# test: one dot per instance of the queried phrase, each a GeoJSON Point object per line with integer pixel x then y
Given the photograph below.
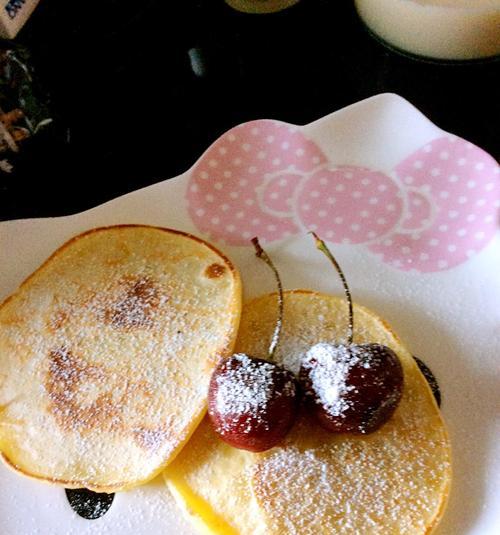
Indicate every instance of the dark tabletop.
{"type": "Point", "coordinates": [138, 90]}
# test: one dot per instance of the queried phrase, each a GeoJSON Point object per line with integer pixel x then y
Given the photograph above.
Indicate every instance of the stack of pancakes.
{"type": "Point", "coordinates": [106, 352]}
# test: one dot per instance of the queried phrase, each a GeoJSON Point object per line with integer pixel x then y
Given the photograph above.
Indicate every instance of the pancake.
{"type": "Point", "coordinates": [394, 481]}
{"type": "Point", "coordinates": [106, 352]}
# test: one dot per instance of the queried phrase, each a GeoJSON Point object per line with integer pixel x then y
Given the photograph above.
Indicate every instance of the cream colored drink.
{"type": "Point", "coordinates": [442, 29]}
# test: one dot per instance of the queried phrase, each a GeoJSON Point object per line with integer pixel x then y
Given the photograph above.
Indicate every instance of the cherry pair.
{"type": "Point", "coordinates": [348, 388]}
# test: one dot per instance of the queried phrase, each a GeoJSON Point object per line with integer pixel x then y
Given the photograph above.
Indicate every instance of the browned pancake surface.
{"type": "Point", "coordinates": [106, 353]}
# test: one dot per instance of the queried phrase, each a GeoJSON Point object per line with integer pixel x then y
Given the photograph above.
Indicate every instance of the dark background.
{"type": "Point", "coordinates": [130, 110]}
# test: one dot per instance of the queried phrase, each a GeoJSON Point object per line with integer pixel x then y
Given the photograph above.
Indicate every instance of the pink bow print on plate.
{"type": "Point", "coordinates": [431, 212]}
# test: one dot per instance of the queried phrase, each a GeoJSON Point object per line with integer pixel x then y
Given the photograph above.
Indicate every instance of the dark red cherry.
{"type": "Point", "coordinates": [351, 388]}
{"type": "Point", "coordinates": [252, 403]}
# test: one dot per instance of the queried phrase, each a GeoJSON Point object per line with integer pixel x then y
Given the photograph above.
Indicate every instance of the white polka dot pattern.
{"type": "Point", "coordinates": [435, 210]}
{"type": "Point", "coordinates": [348, 203]}
{"type": "Point", "coordinates": [278, 192]}
{"type": "Point", "coordinates": [451, 207]}
{"type": "Point", "coordinates": [418, 213]}
{"type": "Point", "coordinates": [225, 203]}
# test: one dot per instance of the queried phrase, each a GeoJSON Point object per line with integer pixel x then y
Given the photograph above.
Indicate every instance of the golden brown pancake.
{"type": "Point", "coordinates": [394, 481]}
{"type": "Point", "coordinates": [106, 352]}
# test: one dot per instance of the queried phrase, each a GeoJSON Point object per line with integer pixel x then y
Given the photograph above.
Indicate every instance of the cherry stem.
{"type": "Point", "coordinates": [320, 244]}
{"type": "Point", "coordinates": [260, 253]}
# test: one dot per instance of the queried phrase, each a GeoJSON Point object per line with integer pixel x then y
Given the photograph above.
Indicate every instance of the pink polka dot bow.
{"type": "Point", "coordinates": [435, 209]}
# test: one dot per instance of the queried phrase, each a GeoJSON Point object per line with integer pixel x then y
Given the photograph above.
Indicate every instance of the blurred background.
{"type": "Point", "coordinates": [135, 91]}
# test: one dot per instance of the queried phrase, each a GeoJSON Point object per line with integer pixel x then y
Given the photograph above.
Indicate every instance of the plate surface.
{"type": "Point", "coordinates": [412, 214]}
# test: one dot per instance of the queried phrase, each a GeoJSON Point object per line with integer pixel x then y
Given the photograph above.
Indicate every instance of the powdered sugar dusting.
{"type": "Point", "coordinates": [392, 481]}
{"type": "Point", "coordinates": [329, 367]}
{"type": "Point", "coordinates": [136, 304]}
{"type": "Point", "coordinates": [304, 471]}
{"type": "Point", "coordinates": [107, 353]}
{"type": "Point", "coordinates": [386, 483]}
{"type": "Point", "coordinates": [245, 388]}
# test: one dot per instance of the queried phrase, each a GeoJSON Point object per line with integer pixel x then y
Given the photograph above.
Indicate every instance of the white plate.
{"type": "Point", "coordinates": [413, 212]}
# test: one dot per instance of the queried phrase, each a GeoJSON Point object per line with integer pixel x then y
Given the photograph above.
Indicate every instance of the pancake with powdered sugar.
{"type": "Point", "coordinates": [393, 481]}
{"type": "Point", "coordinates": [106, 352]}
